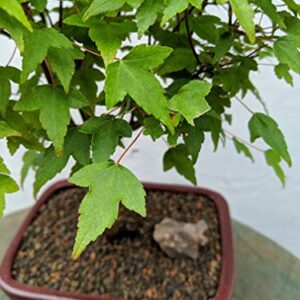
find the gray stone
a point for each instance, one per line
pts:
(179, 239)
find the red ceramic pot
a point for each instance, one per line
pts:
(19, 291)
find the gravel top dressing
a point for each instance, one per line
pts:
(125, 263)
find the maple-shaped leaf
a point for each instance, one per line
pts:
(263, 126)
(102, 6)
(62, 64)
(109, 36)
(14, 8)
(109, 185)
(147, 14)
(172, 8)
(190, 100)
(15, 29)
(273, 160)
(242, 148)
(132, 76)
(6, 130)
(106, 132)
(194, 138)
(245, 15)
(48, 165)
(37, 45)
(53, 105)
(178, 158)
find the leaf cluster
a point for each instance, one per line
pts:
(176, 82)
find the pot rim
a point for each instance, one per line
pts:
(19, 290)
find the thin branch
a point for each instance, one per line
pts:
(180, 20)
(61, 9)
(233, 136)
(188, 30)
(267, 64)
(130, 145)
(243, 104)
(257, 50)
(49, 18)
(11, 57)
(86, 49)
(5, 33)
(229, 15)
(48, 73)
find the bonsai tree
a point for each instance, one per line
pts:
(192, 59)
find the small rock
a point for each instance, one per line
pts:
(179, 239)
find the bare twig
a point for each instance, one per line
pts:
(48, 73)
(233, 136)
(86, 49)
(61, 9)
(11, 57)
(189, 34)
(130, 145)
(244, 105)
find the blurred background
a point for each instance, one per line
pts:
(254, 194)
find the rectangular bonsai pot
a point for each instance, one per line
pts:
(19, 291)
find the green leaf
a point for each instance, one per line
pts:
(40, 5)
(245, 15)
(102, 6)
(177, 158)
(211, 122)
(54, 112)
(153, 128)
(62, 64)
(273, 160)
(135, 3)
(4, 94)
(3, 168)
(172, 8)
(205, 27)
(293, 6)
(223, 45)
(270, 10)
(109, 185)
(286, 50)
(37, 45)
(263, 126)
(88, 80)
(242, 148)
(29, 160)
(282, 72)
(179, 59)
(148, 56)
(11, 73)
(147, 14)
(17, 122)
(76, 20)
(106, 132)
(144, 88)
(190, 100)
(14, 8)
(15, 29)
(76, 144)
(109, 37)
(6, 130)
(7, 186)
(196, 3)
(193, 138)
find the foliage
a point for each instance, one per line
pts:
(177, 82)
